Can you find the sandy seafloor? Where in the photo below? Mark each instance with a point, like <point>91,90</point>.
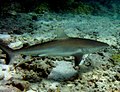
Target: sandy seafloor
<point>99,73</point>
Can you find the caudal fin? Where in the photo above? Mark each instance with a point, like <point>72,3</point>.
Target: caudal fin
<point>8,51</point>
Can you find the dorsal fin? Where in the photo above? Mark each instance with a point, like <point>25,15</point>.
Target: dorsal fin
<point>61,35</point>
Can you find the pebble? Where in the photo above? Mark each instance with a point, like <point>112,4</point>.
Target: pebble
<point>31,91</point>
<point>70,85</point>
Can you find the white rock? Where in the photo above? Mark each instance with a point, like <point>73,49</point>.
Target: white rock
<point>5,36</point>
<point>5,67</point>
<point>17,44</point>
<point>95,77</point>
<point>1,75</point>
<point>64,70</point>
<point>7,76</point>
<point>30,91</point>
<point>54,85</point>
<point>1,72</point>
<point>70,85</point>
<point>0,67</point>
<point>2,61</point>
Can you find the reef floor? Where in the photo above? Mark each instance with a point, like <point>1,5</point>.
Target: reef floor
<point>99,73</point>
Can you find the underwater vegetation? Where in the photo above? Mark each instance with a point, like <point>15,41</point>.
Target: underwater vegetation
<point>41,6</point>
<point>83,8</point>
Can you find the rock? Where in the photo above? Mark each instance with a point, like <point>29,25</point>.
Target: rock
<point>1,74</point>
<point>63,71</point>
<point>16,45</point>
<point>22,85</point>
<point>70,85</point>
<point>13,12</point>
<point>31,90</point>
<point>5,67</point>
<point>7,76</point>
<point>9,89</point>
<point>54,87</point>
<point>5,36</point>
<point>2,61</point>
<point>5,72</point>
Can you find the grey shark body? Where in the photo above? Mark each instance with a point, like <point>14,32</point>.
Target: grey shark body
<point>76,47</point>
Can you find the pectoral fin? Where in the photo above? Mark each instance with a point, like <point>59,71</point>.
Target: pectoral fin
<point>78,59</point>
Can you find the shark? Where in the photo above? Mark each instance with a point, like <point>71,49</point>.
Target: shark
<point>76,47</point>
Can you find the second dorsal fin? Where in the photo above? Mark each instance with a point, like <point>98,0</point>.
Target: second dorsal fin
<point>61,34</point>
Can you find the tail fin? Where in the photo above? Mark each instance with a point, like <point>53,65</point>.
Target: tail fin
<point>8,51</point>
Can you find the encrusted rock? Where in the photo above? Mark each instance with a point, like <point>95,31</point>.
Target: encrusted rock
<point>9,89</point>
<point>22,85</point>
<point>36,70</point>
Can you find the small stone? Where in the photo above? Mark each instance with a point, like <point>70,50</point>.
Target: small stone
<point>96,77</point>
<point>70,85</point>
<point>69,58</point>
<point>13,13</point>
<point>31,90</point>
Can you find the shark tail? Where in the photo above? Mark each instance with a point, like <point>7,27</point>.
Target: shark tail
<point>8,51</point>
